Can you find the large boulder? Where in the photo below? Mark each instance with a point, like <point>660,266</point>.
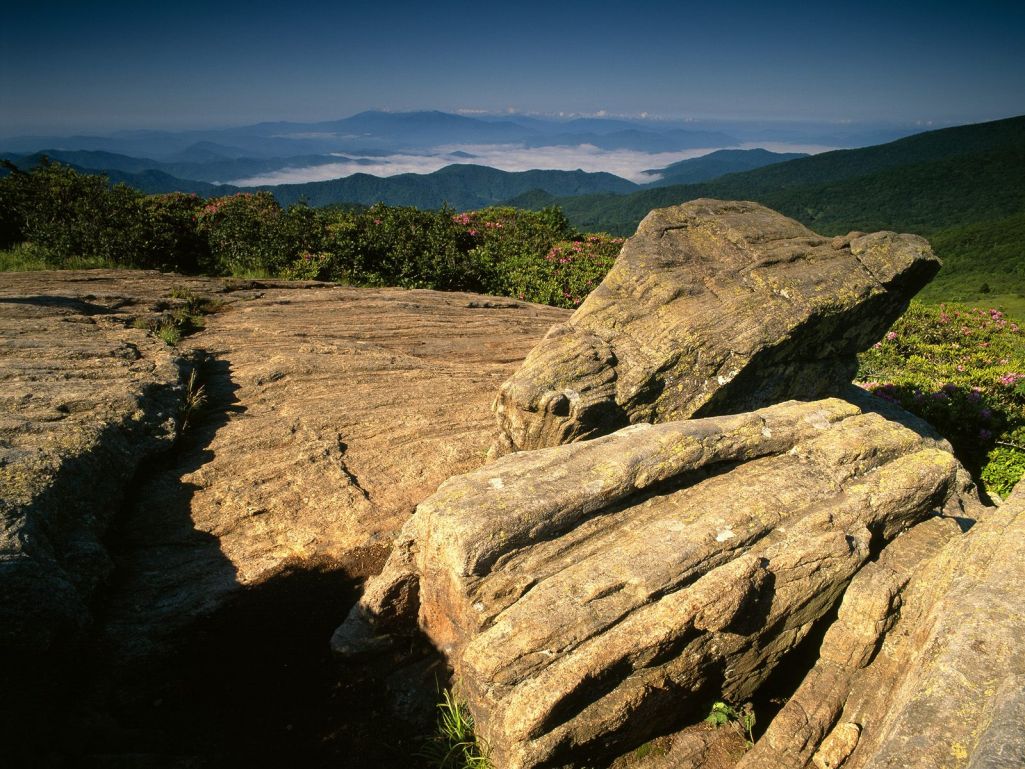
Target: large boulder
<point>712,307</point>
<point>595,594</point>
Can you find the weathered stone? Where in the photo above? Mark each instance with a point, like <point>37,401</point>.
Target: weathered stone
<point>84,400</point>
<point>595,594</point>
<point>712,307</point>
<point>924,659</point>
<point>701,746</point>
<point>330,413</point>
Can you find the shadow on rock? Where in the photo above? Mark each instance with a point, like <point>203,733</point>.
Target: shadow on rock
<point>190,668</point>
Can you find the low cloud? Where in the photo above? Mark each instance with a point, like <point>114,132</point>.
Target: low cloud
<point>629,164</point>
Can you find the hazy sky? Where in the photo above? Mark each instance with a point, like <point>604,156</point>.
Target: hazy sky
<point>93,66</point>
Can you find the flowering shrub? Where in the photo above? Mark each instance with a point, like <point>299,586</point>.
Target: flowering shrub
<point>536,255</point>
<point>533,255</point>
<point>240,230</point>
<point>963,370</point>
<point>564,275</point>
<point>397,246</point>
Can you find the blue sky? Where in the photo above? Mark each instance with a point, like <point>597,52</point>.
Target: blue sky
<point>95,66</point>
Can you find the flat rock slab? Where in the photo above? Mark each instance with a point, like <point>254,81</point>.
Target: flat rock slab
<point>333,412</point>
<point>330,413</point>
<point>712,307</point>
<point>84,398</point>
<point>592,595</point>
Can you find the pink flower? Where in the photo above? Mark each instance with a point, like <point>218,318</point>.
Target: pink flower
<point>891,336</point>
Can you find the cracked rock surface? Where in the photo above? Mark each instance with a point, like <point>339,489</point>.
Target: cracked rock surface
<point>593,595</point>
<point>712,307</point>
<point>84,398</point>
<point>924,665</point>
<point>330,412</point>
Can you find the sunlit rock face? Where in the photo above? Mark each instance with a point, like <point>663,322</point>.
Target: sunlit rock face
<point>592,594</point>
<point>712,307</point>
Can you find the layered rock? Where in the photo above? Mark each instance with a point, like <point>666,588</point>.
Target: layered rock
<point>712,307</point>
<point>84,400</point>
<point>923,667</point>
<point>333,413</point>
<point>595,594</point>
<point>330,412</point>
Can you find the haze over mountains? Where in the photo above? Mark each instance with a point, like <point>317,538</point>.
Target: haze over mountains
<point>388,144</point>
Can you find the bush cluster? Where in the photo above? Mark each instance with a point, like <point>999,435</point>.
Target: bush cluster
<point>533,255</point>
<point>962,369</point>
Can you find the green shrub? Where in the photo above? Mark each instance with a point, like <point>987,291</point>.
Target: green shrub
<point>533,255</point>
<point>242,233</point>
<point>536,255</point>
<point>963,370</point>
<point>172,238</point>
<point>73,215</point>
<point>400,246</point>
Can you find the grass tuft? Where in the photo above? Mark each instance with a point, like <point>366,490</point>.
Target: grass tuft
<point>455,746</point>
<point>195,399</point>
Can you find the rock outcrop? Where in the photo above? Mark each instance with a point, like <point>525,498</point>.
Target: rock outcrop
<point>85,399</point>
<point>330,413</point>
<point>595,594</point>
<point>924,666</point>
<point>712,307</point>
<point>589,594</point>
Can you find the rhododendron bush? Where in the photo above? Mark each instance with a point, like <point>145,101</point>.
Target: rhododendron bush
<point>963,370</point>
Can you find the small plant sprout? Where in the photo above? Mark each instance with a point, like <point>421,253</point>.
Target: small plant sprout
<point>454,745</point>
<point>741,718</point>
<point>195,397</point>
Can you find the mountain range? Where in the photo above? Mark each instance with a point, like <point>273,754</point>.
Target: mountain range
<point>385,133</point>
<point>461,185</point>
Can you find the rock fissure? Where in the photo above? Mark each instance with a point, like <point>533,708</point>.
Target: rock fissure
<point>258,515</point>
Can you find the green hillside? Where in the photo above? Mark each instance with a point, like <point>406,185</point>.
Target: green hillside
<point>119,169</point>
<point>923,183</point>
<point>963,187</point>
<point>462,186</point>
<point>716,164</point>
<point>982,262</point>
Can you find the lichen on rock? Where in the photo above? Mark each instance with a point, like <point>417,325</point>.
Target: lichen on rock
<point>712,307</point>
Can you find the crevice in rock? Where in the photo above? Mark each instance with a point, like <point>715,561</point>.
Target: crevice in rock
<point>351,476</point>
<point>246,680</point>
<point>781,684</point>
